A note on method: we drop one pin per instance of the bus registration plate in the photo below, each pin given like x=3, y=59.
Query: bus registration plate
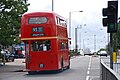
x=41, y=65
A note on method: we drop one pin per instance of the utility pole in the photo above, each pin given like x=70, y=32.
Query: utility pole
x=111, y=51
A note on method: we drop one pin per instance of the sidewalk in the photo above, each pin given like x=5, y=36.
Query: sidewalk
x=12, y=66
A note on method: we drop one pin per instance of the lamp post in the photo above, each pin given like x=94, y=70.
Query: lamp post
x=84, y=42
x=70, y=22
x=76, y=45
x=52, y=5
x=95, y=44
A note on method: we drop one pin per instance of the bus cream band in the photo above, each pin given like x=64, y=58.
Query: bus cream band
x=43, y=38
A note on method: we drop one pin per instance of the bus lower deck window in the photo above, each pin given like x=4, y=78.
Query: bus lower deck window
x=41, y=45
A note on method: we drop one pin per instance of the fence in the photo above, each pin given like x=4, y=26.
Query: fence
x=107, y=73
x=116, y=67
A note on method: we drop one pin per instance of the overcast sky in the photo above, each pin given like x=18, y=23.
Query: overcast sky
x=91, y=16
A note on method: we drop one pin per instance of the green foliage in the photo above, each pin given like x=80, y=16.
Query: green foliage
x=116, y=39
x=10, y=17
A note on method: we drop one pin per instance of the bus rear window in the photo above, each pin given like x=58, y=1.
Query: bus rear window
x=37, y=20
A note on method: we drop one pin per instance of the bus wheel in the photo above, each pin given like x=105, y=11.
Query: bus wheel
x=62, y=68
x=68, y=67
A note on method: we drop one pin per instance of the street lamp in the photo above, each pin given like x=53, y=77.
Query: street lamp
x=52, y=5
x=84, y=42
x=70, y=22
x=76, y=46
x=95, y=44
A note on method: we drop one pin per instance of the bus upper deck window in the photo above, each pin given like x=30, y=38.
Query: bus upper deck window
x=37, y=20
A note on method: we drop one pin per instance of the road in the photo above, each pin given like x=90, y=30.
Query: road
x=82, y=68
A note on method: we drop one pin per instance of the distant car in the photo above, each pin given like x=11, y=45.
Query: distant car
x=103, y=53
x=19, y=54
x=87, y=52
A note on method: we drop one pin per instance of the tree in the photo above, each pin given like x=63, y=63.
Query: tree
x=116, y=39
x=10, y=16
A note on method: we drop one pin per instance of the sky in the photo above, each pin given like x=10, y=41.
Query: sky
x=93, y=35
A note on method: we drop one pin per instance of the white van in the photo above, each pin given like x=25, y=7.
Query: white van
x=103, y=53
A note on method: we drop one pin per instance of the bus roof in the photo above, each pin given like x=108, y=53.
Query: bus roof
x=52, y=13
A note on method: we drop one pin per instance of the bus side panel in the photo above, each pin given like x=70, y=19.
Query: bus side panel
x=63, y=46
x=63, y=54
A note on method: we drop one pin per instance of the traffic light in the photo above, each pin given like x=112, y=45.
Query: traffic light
x=111, y=13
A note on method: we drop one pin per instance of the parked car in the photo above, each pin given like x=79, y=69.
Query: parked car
x=19, y=54
x=8, y=56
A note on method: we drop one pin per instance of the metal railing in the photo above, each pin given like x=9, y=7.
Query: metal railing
x=116, y=67
x=107, y=73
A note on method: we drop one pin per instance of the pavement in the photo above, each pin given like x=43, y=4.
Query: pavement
x=11, y=66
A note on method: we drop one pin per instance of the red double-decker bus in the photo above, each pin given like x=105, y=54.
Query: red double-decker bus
x=46, y=41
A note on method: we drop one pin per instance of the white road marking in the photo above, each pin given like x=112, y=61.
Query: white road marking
x=87, y=78
x=88, y=71
x=89, y=68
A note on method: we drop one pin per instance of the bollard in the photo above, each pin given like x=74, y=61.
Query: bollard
x=114, y=57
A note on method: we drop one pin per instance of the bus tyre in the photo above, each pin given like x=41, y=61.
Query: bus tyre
x=62, y=68
x=68, y=67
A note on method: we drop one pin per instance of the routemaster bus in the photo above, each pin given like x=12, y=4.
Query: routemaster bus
x=46, y=41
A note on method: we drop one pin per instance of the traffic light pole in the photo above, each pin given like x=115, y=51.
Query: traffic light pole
x=111, y=13
x=111, y=51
